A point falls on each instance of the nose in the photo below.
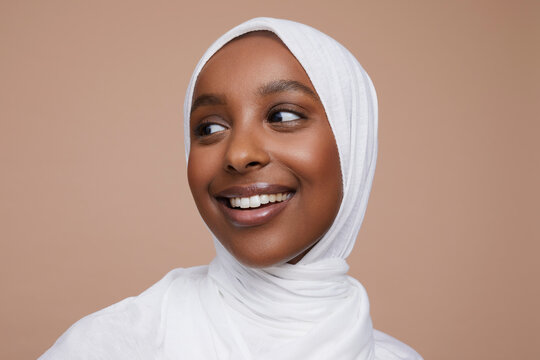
(245, 152)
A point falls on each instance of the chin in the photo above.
(259, 260)
(266, 256)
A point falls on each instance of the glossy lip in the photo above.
(255, 216)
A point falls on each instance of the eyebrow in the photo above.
(278, 86)
(270, 88)
(207, 99)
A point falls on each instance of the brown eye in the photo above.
(209, 129)
(283, 116)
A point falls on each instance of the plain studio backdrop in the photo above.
(95, 206)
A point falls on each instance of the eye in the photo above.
(209, 129)
(283, 116)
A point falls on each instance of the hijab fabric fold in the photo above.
(311, 310)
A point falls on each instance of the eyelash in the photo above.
(199, 130)
(274, 111)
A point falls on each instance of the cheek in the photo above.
(195, 172)
(202, 165)
(314, 159)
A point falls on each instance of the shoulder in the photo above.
(389, 348)
(125, 330)
(97, 335)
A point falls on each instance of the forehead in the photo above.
(247, 62)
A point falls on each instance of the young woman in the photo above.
(281, 135)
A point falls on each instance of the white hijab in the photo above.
(349, 99)
(311, 310)
(313, 303)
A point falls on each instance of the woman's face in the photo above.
(263, 165)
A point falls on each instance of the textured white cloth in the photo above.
(311, 310)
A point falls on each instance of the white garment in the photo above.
(311, 310)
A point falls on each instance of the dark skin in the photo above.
(257, 121)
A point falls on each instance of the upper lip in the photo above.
(253, 189)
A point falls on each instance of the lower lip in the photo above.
(255, 216)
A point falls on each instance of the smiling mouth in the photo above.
(253, 205)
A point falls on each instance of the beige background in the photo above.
(94, 204)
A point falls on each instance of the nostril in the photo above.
(248, 166)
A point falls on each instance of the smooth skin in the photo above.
(256, 119)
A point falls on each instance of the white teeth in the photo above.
(257, 200)
(254, 201)
(244, 203)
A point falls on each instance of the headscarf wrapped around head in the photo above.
(305, 307)
(350, 102)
